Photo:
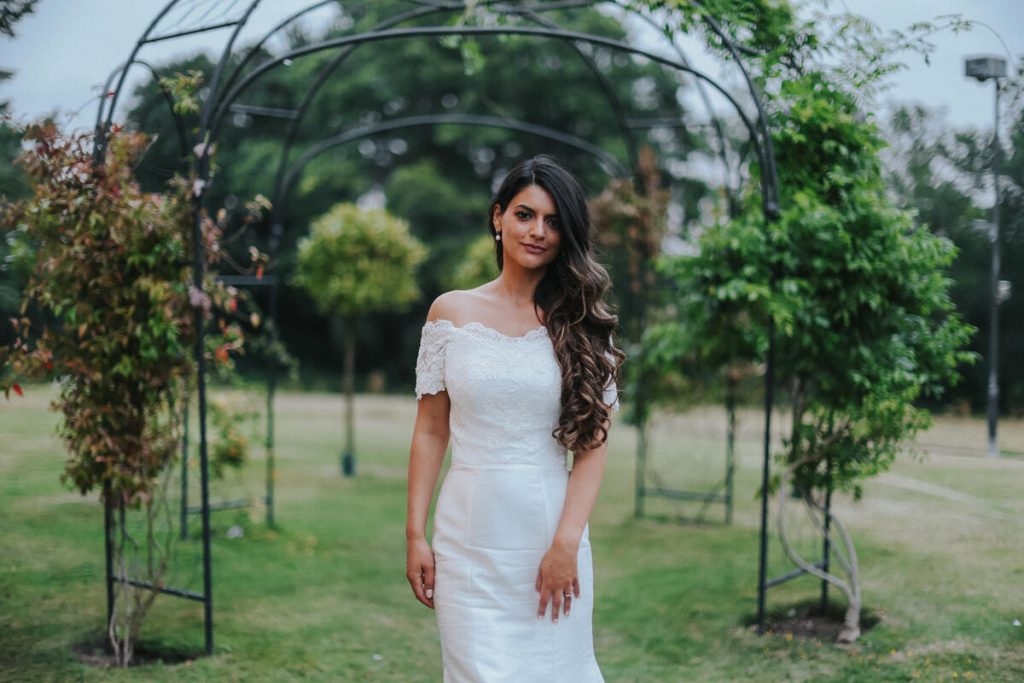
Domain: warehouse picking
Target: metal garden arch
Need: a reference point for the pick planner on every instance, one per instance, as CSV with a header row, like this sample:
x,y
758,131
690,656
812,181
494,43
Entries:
x,y
231,77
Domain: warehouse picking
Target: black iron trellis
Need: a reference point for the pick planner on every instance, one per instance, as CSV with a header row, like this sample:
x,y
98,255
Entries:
x,y
190,17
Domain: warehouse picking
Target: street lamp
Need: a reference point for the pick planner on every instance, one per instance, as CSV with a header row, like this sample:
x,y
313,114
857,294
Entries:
x,y
982,68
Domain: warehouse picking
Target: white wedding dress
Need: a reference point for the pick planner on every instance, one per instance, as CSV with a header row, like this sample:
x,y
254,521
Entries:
x,y
498,509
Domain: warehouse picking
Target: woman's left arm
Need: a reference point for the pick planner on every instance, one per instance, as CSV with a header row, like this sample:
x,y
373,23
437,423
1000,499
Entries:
x,y
557,575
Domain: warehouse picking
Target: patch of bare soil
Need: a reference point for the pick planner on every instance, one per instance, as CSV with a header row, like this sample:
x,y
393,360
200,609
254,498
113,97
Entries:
x,y
96,651
808,620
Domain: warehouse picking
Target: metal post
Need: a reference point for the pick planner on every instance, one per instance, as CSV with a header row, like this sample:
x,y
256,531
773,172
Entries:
x,y
276,230
271,386
983,68
641,453
204,479
769,389
826,550
108,544
730,444
993,352
348,457
184,472
640,399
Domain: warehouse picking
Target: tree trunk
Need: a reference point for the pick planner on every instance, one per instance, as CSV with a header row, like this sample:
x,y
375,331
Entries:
x,y
845,559
131,604
348,464
731,390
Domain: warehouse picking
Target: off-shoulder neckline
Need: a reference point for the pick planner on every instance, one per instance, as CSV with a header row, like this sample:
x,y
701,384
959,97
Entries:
x,y
538,332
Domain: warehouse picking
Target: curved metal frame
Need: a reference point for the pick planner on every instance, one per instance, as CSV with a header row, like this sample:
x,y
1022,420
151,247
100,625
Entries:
x,y
759,132
224,91
179,124
451,118
715,121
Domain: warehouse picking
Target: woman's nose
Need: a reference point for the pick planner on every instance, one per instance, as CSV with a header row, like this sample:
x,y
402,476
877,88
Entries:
x,y
537,227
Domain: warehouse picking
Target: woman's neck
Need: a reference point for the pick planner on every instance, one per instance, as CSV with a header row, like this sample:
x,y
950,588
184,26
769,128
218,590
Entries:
x,y
517,284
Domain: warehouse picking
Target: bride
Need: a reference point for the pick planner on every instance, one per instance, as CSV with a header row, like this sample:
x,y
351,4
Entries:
x,y
515,373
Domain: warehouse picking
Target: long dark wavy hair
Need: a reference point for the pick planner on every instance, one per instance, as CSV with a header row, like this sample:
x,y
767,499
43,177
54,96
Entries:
x,y
571,295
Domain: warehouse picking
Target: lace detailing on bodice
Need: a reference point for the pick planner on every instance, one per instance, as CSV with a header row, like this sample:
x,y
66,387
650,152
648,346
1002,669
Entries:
x,y
491,333
433,344
505,392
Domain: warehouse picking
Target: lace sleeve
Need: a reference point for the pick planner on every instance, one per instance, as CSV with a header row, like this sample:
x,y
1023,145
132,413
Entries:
x,y
611,395
611,391
430,359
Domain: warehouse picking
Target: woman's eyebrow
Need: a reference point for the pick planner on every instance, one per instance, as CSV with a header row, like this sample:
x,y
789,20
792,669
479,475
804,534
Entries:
x,y
532,210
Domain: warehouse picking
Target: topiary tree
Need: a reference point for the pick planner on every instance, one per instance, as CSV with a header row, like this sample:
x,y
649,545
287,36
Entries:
x,y
477,265
354,262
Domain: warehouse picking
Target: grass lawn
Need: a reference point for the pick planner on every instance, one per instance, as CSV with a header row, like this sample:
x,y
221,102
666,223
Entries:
x,y
323,596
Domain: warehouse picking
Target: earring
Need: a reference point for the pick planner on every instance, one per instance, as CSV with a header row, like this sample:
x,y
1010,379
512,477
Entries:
x,y
497,236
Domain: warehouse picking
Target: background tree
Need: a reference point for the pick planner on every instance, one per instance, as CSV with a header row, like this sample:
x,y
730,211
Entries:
x,y
356,262
630,223
478,265
856,294
437,178
14,184
943,173
629,219
12,11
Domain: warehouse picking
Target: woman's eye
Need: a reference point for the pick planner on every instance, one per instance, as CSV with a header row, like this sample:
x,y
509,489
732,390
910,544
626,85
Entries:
x,y
522,215
554,224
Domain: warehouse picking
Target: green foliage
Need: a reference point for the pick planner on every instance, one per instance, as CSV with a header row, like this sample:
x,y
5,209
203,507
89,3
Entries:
x,y
629,225
765,28
184,90
357,261
108,308
438,178
477,265
231,428
109,266
940,172
13,183
13,186
12,11
109,311
859,296
444,214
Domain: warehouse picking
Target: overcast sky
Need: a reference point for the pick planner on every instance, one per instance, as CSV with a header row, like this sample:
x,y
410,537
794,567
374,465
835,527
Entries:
x,y
64,51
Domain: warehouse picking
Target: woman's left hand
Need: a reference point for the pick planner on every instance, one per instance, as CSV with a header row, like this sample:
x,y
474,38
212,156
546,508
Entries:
x,y
557,580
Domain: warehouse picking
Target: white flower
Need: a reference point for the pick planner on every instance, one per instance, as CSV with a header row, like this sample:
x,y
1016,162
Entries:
x,y
200,149
198,298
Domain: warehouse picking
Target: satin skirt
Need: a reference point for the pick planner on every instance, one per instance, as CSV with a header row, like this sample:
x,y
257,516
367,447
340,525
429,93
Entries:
x,y
492,526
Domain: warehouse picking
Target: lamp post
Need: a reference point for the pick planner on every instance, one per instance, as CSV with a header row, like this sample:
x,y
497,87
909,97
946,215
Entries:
x,y
982,68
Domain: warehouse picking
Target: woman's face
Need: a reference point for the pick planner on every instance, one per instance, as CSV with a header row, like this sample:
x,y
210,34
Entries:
x,y
530,228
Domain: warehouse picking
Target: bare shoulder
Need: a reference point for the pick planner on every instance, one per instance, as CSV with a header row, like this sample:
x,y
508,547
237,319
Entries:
x,y
459,305
451,306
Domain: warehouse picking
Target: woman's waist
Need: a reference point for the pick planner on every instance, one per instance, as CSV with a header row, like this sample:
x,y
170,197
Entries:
x,y
473,462
497,444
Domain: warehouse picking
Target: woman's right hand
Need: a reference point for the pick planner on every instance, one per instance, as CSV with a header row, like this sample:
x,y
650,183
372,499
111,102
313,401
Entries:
x,y
419,569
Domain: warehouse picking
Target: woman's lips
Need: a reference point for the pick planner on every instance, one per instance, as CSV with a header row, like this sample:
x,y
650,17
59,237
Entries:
x,y
533,249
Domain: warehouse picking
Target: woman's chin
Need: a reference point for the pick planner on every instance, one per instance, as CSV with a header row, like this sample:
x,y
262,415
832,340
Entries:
x,y
533,261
